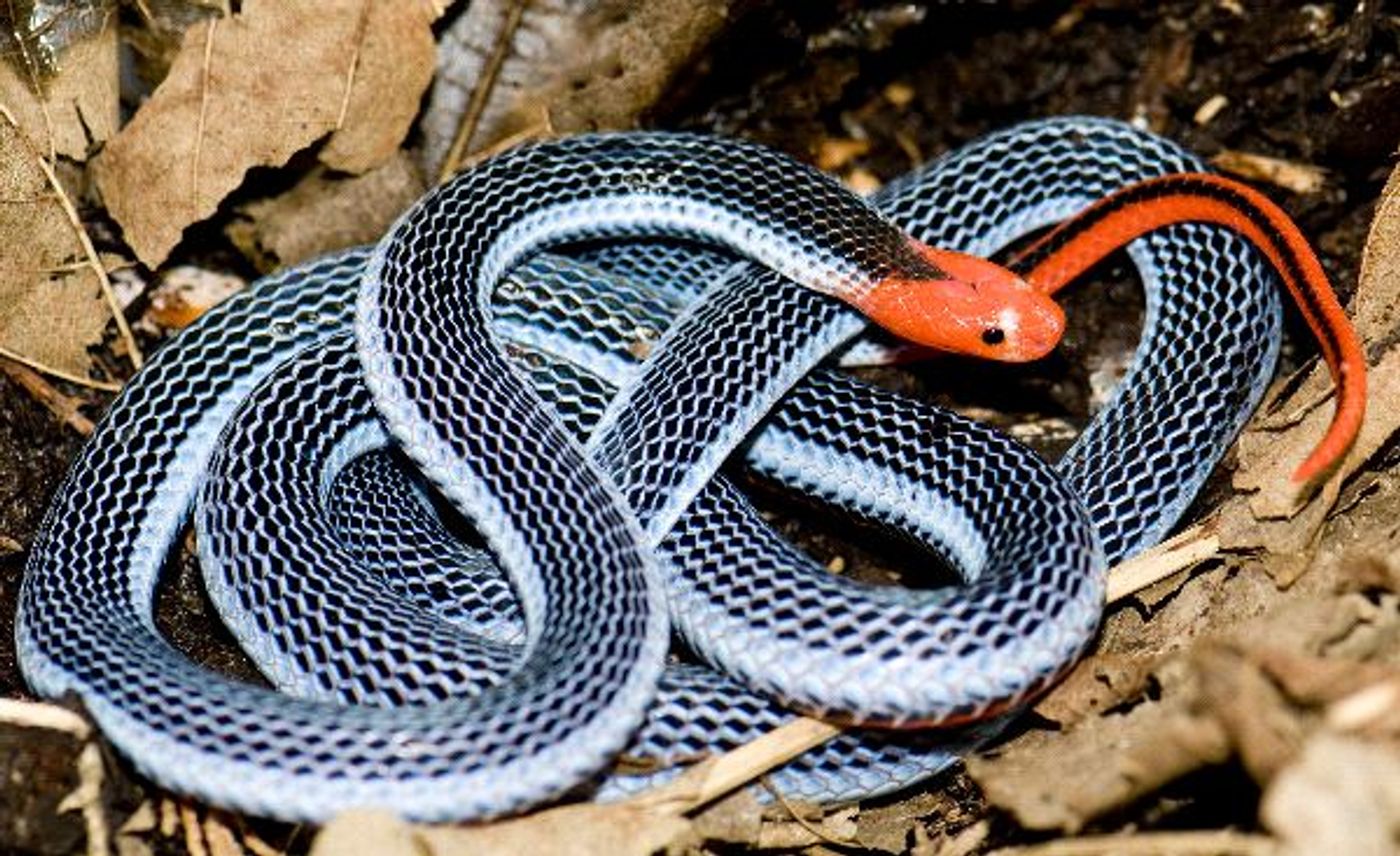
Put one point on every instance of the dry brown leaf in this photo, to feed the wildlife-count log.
(1342, 796)
(394, 67)
(587, 65)
(1096, 684)
(1264, 730)
(323, 213)
(252, 90)
(1115, 761)
(1277, 659)
(71, 111)
(1315, 681)
(51, 305)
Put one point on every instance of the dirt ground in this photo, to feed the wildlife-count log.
(869, 92)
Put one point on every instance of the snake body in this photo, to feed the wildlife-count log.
(599, 511)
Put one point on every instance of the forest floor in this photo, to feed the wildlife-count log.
(1246, 704)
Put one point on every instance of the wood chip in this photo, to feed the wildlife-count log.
(1209, 109)
(835, 153)
(1290, 175)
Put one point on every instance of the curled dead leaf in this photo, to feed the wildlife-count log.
(1342, 796)
(588, 66)
(75, 107)
(252, 90)
(51, 302)
(325, 212)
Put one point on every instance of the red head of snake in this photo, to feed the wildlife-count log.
(977, 308)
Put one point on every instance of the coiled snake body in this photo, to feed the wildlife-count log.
(485, 682)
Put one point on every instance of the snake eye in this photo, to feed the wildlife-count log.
(993, 336)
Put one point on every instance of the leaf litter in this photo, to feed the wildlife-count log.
(1263, 639)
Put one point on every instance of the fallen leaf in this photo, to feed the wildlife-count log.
(325, 212)
(1239, 669)
(1096, 684)
(51, 303)
(252, 90)
(74, 108)
(393, 67)
(1341, 796)
(585, 66)
(1115, 760)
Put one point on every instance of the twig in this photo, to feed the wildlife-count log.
(541, 129)
(257, 846)
(220, 837)
(50, 717)
(712, 779)
(145, 12)
(58, 373)
(471, 117)
(86, 798)
(203, 113)
(64, 407)
(709, 780)
(169, 817)
(95, 262)
(1358, 34)
(812, 829)
(360, 28)
(1172, 556)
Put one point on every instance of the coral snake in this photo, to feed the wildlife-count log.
(451, 679)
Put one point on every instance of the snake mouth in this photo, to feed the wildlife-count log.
(966, 305)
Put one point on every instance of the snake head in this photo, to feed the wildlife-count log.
(966, 305)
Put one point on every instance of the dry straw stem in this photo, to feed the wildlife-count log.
(1176, 554)
(194, 830)
(93, 260)
(37, 366)
(471, 117)
(541, 130)
(712, 779)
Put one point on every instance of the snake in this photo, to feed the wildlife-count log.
(486, 679)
